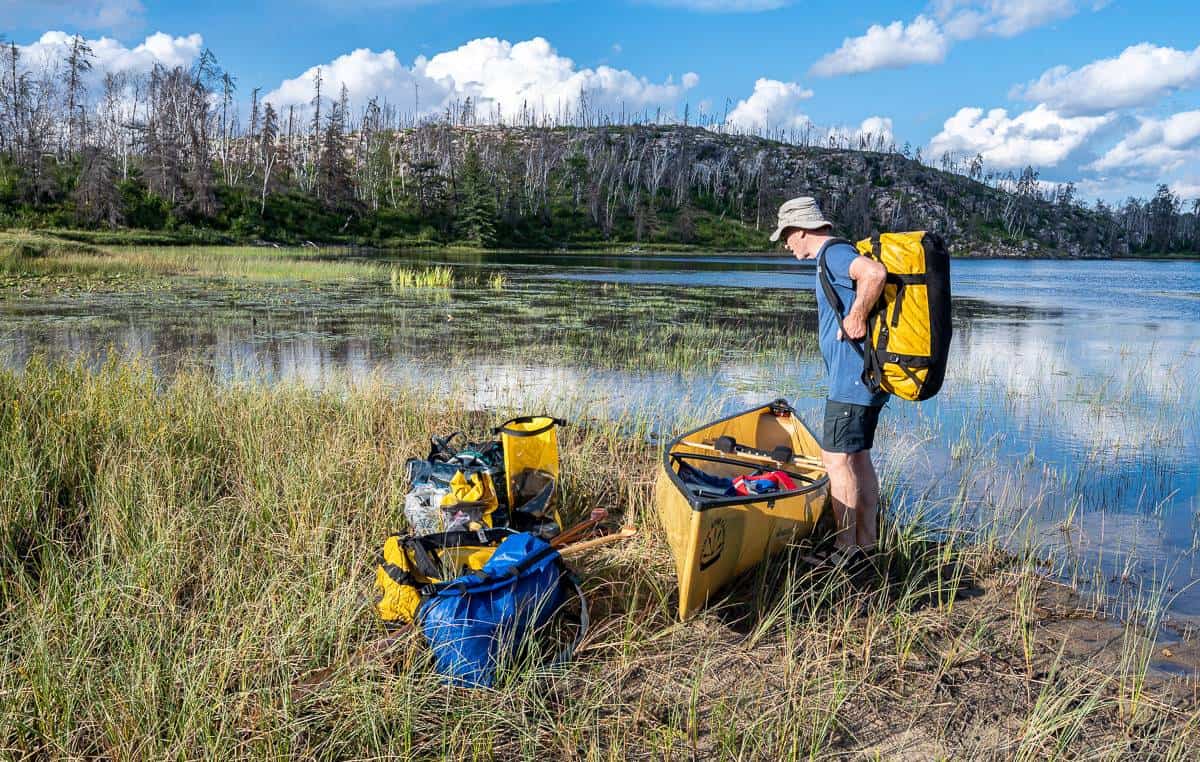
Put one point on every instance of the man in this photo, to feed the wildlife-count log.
(851, 410)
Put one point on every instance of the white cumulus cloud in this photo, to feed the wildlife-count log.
(926, 39)
(365, 74)
(874, 133)
(1156, 147)
(494, 73)
(772, 105)
(1041, 136)
(1187, 191)
(967, 19)
(886, 47)
(1140, 75)
(111, 56)
(877, 128)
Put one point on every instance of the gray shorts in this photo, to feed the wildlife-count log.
(849, 428)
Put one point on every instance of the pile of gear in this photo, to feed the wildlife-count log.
(480, 573)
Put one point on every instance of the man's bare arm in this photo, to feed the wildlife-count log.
(869, 277)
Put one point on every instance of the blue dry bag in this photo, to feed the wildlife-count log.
(477, 621)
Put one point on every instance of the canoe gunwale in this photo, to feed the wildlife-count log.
(699, 503)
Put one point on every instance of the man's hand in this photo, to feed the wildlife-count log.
(869, 277)
(853, 327)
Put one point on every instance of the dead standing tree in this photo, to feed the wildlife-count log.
(176, 139)
(77, 63)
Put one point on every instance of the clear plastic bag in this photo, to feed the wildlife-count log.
(423, 508)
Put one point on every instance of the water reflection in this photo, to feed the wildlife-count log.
(1070, 407)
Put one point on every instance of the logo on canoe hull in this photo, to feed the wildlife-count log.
(713, 545)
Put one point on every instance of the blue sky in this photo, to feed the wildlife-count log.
(1103, 93)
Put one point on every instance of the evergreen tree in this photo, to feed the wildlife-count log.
(333, 169)
(96, 196)
(476, 218)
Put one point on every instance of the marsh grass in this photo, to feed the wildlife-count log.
(177, 554)
(39, 254)
(425, 277)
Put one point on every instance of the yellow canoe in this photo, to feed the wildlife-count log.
(715, 537)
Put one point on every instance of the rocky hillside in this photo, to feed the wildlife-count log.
(653, 184)
(438, 183)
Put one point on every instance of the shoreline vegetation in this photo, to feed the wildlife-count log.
(33, 242)
(180, 554)
(170, 151)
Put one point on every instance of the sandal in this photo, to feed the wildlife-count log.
(838, 558)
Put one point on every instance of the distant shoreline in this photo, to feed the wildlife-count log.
(135, 237)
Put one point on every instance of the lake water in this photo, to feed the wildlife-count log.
(1070, 413)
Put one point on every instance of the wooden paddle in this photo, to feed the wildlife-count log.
(575, 533)
(803, 460)
(582, 547)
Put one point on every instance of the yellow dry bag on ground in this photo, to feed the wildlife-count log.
(530, 446)
(409, 565)
(909, 329)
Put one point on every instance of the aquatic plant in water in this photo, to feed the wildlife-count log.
(426, 277)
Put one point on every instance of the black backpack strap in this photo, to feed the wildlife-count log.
(462, 537)
(504, 427)
(440, 448)
(823, 274)
(422, 551)
(422, 560)
(479, 576)
(830, 292)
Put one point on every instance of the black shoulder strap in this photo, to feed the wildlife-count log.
(827, 286)
(440, 448)
(424, 552)
(823, 273)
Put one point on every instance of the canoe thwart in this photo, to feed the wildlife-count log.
(751, 454)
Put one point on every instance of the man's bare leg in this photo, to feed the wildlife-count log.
(867, 507)
(854, 494)
(844, 498)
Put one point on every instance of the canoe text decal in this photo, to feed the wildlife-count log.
(713, 545)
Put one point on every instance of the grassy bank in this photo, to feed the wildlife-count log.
(152, 238)
(177, 555)
(39, 254)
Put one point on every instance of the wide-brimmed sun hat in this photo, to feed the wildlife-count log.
(801, 212)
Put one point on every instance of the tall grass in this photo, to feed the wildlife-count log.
(426, 277)
(176, 555)
(36, 254)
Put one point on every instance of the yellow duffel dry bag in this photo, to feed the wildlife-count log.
(909, 329)
(409, 564)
